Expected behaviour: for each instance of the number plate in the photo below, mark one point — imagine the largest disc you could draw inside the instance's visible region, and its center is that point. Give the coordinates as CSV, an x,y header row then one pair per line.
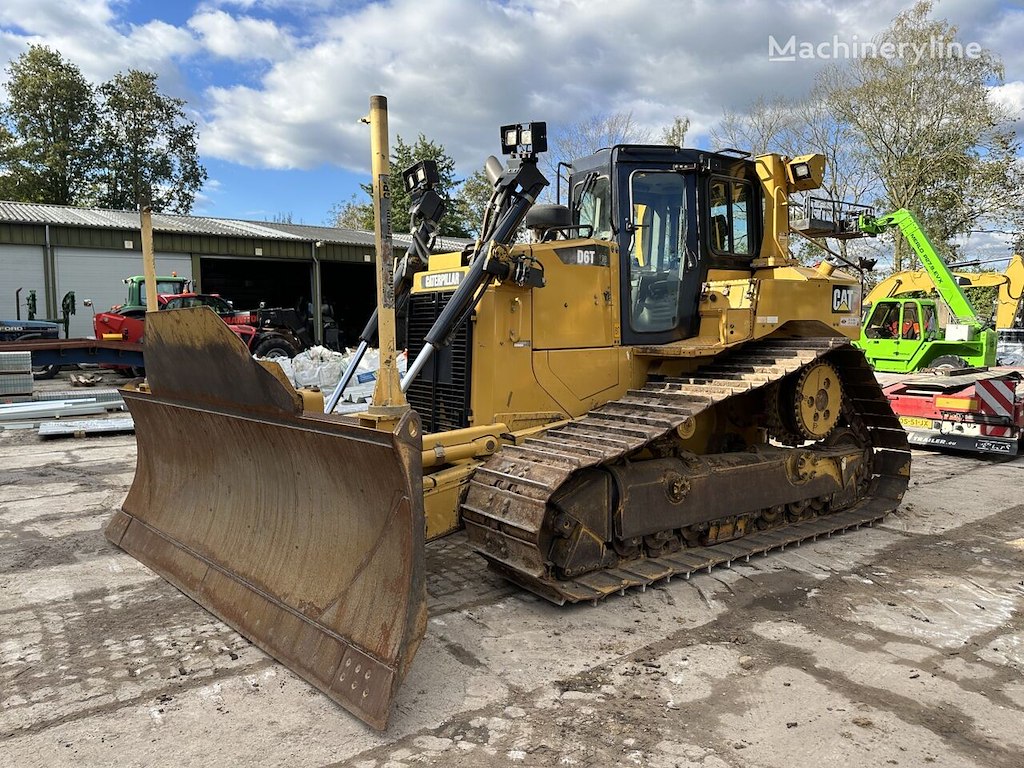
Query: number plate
x,y
916,422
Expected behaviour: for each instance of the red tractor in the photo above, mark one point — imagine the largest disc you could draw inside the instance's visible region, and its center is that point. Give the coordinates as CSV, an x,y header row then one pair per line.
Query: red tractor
x,y
267,332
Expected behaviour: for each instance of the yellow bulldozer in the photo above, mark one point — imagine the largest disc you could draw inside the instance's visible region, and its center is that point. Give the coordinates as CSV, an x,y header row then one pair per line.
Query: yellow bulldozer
x,y
649,387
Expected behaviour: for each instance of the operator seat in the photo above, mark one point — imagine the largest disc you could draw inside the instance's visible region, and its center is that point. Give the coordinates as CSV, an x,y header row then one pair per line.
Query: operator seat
x,y
655,304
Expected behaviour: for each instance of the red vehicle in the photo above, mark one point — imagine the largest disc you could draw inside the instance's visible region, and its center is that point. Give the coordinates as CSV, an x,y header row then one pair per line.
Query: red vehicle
x,y
973,410
267,332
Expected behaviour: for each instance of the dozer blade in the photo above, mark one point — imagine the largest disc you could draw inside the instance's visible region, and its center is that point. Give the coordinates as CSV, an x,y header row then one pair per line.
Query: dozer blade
x,y
303,532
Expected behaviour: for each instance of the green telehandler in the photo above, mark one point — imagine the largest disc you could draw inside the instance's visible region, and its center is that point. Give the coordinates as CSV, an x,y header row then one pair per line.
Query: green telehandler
x,y
903,335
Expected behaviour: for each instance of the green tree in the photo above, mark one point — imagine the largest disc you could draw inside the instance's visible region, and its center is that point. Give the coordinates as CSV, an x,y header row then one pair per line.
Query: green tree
x,y
675,134
354,213
48,151
474,194
8,181
455,221
926,126
357,213
148,145
767,125
795,127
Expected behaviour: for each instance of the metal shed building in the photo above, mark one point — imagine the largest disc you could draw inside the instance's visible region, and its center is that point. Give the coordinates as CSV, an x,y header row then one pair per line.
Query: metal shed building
x,y
54,249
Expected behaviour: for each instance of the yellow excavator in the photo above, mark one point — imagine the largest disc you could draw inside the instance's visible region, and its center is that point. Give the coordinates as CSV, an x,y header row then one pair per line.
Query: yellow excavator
x,y
650,387
1008,309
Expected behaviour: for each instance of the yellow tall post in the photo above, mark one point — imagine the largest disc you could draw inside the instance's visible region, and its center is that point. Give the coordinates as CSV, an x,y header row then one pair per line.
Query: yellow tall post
x,y
148,259
388,399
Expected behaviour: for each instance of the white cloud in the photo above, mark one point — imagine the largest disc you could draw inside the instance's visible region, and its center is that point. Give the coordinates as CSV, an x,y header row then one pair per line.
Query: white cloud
x,y
241,39
994,249
457,70
1011,97
294,6
205,203
1003,35
88,33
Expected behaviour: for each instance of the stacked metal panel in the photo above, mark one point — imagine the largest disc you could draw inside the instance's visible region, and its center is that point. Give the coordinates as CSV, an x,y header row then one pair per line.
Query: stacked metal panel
x,y
15,373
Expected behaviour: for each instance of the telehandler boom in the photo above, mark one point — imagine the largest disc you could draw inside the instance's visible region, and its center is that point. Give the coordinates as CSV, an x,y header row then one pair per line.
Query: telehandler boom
x,y
650,387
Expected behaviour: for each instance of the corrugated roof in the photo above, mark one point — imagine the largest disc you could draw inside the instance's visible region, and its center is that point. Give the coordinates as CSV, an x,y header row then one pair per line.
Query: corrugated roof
x,y
64,215
327,234
362,237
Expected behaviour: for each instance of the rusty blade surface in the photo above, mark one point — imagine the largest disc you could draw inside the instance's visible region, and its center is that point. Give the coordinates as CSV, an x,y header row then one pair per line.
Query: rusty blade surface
x,y
303,532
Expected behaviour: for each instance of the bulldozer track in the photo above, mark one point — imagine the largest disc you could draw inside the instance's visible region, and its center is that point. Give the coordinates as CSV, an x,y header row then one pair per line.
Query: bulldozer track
x,y
506,506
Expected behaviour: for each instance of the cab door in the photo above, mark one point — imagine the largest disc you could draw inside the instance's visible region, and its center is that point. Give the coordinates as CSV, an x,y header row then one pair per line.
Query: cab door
x,y
661,276
911,338
880,336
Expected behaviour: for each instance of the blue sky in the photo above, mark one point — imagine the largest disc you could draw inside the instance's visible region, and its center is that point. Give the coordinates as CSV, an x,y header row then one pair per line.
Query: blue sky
x,y
278,86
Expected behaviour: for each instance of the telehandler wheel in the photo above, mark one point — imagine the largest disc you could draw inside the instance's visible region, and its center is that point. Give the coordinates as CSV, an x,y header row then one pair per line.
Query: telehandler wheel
x,y
274,346
948,363
40,372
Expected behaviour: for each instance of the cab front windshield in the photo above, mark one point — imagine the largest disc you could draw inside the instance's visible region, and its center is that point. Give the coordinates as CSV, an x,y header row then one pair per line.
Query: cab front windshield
x,y
657,249
898,320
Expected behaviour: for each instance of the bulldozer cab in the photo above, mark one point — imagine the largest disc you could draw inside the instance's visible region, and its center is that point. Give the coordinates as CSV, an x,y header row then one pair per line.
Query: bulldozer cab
x,y
674,214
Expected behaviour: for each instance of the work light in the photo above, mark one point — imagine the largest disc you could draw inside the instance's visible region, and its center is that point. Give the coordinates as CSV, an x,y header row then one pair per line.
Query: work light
x,y
423,173
801,171
524,139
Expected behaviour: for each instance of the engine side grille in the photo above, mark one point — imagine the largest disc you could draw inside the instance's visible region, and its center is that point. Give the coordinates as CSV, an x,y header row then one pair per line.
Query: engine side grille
x,y
441,392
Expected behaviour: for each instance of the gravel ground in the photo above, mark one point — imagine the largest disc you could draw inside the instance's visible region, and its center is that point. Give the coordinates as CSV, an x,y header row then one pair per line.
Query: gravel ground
x,y
896,645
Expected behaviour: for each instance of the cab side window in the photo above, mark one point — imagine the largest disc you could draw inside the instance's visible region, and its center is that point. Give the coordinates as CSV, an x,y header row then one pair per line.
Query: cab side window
x,y
931,322
911,325
595,208
730,201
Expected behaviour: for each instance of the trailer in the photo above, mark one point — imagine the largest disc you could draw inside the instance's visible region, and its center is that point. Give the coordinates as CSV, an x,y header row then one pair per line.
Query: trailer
x,y
970,409
59,352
